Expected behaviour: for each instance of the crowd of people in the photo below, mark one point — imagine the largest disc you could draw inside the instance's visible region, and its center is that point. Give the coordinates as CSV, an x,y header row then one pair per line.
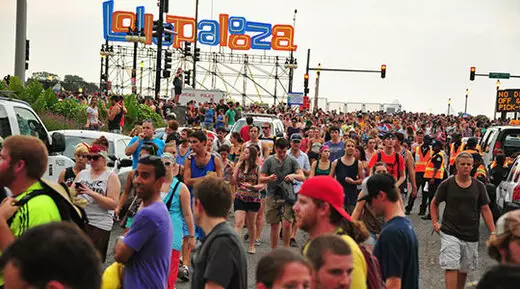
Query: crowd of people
x,y
347,179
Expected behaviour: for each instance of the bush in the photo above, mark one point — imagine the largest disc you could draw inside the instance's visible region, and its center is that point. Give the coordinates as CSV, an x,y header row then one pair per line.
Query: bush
x,y
54,121
70,108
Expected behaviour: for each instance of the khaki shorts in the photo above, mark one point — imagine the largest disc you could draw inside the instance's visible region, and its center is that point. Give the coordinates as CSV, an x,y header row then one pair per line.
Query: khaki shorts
x,y
273,211
457,254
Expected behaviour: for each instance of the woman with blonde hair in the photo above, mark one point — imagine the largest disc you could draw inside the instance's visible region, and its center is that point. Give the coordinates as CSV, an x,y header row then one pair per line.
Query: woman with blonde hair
x,y
68,175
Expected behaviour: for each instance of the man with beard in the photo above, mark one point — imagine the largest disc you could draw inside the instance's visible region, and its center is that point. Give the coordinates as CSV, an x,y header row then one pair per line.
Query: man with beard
x,y
319,211
146,248
184,149
397,248
23,161
332,260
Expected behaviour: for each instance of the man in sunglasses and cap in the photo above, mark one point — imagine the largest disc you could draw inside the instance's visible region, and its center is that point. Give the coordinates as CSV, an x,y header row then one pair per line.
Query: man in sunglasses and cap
x,y
397,248
134,147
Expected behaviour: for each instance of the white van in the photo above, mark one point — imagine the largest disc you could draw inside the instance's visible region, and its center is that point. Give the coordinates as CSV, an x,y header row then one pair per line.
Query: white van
x,y
18,118
505,138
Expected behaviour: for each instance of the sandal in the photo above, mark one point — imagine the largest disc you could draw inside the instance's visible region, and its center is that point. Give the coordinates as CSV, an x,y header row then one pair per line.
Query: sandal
x,y
251,251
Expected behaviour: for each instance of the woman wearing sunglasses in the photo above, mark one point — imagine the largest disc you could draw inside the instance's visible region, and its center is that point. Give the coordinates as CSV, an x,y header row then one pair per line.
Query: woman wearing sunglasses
x,y
100,188
176,196
68,175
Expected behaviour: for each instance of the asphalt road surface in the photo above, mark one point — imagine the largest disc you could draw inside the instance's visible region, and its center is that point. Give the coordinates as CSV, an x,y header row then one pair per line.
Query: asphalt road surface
x,y
431,275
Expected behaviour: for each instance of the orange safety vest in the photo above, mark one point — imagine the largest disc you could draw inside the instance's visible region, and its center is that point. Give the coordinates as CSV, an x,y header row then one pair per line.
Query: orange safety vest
x,y
428,173
454,154
481,171
420,160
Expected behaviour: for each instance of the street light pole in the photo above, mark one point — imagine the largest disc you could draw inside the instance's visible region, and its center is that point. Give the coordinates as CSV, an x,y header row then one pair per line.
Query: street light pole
x,y
449,104
291,58
134,63
159,50
141,80
495,111
21,36
466,103
195,31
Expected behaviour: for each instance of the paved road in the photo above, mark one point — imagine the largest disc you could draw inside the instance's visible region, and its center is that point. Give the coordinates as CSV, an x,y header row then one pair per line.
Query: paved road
x,y
431,276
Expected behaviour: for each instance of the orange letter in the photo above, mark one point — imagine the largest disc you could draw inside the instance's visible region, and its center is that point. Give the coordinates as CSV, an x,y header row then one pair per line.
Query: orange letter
x,y
235,38
117,21
283,38
224,22
148,27
179,24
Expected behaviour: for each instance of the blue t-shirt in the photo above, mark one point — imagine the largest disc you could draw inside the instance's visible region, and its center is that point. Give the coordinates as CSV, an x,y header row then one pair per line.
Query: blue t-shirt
x,y
398,252
337,150
135,156
210,114
151,237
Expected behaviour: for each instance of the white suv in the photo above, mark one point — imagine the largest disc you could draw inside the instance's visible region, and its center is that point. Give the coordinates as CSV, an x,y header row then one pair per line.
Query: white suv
x,y
508,192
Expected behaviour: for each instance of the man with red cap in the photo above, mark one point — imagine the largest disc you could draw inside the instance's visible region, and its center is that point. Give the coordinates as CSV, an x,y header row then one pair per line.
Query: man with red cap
x,y
319,211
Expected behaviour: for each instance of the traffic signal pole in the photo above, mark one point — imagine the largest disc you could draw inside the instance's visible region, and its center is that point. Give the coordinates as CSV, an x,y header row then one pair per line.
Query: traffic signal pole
x,y
21,36
195,31
159,50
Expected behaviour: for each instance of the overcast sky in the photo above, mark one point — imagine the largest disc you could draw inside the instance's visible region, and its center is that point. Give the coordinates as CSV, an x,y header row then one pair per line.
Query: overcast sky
x,y
428,46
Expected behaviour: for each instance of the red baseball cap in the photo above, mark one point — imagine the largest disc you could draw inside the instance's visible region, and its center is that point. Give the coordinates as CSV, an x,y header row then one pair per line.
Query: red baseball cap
x,y
326,189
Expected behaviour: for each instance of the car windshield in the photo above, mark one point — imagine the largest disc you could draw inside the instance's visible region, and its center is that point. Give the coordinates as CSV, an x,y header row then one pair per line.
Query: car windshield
x,y
73,141
512,143
242,122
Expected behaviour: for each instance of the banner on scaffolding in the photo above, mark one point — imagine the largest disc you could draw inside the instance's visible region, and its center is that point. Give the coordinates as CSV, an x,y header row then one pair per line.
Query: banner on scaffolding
x,y
235,32
200,95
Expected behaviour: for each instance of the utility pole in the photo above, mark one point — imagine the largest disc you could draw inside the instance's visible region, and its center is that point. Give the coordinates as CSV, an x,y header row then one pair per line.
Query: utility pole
x,y
449,104
21,36
195,31
466,102
292,61
135,32
317,88
141,80
495,111
159,49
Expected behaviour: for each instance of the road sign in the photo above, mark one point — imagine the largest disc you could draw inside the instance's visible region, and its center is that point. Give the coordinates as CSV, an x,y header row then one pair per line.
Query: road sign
x,y
295,98
508,100
499,75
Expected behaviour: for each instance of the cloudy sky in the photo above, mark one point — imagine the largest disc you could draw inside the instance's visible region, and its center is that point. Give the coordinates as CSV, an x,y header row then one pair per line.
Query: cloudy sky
x,y
427,45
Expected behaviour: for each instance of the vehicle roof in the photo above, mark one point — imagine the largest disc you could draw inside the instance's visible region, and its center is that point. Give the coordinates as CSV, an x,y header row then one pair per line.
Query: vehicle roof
x,y
260,115
502,127
3,98
265,117
92,134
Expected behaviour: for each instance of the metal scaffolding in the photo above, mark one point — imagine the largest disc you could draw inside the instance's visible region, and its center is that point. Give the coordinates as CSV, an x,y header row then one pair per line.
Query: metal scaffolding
x,y
252,77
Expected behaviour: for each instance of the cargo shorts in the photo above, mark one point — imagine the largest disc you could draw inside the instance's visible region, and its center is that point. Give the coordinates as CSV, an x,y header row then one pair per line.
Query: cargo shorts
x,y
457,254
276,210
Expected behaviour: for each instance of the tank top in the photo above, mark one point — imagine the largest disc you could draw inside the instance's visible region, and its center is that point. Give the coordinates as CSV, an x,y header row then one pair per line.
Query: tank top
x,y
97,216
180,159
350,190
320,172
116,122
69,177
270,143
176,214
197,172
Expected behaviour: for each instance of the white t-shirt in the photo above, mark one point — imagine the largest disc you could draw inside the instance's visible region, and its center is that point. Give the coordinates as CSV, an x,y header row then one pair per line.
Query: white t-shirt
x,y
93,119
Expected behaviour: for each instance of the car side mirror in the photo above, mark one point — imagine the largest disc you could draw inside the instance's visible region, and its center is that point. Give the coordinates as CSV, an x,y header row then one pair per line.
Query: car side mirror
x,y
124,163
58,143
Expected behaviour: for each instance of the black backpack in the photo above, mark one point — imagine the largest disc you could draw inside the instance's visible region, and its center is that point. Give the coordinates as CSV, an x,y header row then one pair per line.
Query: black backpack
x,y
60,194
379,157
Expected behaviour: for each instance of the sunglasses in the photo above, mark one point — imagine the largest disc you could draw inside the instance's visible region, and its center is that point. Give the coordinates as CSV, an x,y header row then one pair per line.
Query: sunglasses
x,y
82,156
93,158
266,127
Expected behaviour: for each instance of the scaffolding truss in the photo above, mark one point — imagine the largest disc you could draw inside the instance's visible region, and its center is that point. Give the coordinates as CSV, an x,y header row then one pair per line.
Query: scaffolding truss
x,y
253,78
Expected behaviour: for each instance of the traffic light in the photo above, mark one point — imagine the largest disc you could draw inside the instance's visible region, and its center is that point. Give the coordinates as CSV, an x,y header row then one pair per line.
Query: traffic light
x,y
187,77
187,49
196,55
306,84
167,63
383,70
472,71
156,29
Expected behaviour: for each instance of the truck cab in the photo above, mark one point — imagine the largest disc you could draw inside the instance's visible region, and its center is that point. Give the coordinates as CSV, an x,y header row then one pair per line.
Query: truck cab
x,y
18,118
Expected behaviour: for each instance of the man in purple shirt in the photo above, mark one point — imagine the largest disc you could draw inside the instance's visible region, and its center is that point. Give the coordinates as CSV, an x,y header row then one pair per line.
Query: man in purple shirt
x,y
146,248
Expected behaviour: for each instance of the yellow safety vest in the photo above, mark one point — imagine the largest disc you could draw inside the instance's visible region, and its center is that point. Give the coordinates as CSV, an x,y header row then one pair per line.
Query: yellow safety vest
x,y
454,154
420,160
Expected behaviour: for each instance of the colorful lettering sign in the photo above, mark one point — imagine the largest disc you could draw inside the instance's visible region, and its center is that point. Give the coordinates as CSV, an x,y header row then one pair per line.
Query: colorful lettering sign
x,y
234,32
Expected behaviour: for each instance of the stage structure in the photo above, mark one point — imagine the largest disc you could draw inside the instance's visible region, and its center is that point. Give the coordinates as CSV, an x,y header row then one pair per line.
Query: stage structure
x,y
244,77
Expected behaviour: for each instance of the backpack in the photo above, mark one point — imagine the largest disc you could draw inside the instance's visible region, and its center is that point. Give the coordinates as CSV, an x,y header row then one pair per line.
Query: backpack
x,y
379,157
374,275
174,187
60,194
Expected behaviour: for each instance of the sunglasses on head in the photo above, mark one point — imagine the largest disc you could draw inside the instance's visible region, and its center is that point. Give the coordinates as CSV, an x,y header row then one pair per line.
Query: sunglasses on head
x,y
93,158
167,164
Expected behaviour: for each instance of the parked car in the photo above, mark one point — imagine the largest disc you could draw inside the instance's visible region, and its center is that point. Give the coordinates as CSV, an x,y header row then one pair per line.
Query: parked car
x,y
161,132
504,138
18,118
119,162
508,192
277,127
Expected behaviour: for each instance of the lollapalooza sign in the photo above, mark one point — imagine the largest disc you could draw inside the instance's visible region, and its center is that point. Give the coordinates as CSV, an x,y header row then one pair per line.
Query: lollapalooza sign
x,y
229,31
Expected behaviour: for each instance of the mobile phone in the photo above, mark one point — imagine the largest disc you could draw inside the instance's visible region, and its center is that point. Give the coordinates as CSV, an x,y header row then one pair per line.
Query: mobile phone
x,y
79,186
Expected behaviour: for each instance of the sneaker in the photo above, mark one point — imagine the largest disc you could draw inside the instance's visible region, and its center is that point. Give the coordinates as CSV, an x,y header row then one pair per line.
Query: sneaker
x,y
427,217
407,212
184,273
246,236
421,213
258,242
293,243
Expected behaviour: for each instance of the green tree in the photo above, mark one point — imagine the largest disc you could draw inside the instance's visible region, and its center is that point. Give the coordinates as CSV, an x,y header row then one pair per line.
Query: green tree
x,y
73,82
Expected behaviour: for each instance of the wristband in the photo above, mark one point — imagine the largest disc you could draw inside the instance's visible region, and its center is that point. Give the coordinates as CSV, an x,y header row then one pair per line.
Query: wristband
x,y
189,236
492,233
